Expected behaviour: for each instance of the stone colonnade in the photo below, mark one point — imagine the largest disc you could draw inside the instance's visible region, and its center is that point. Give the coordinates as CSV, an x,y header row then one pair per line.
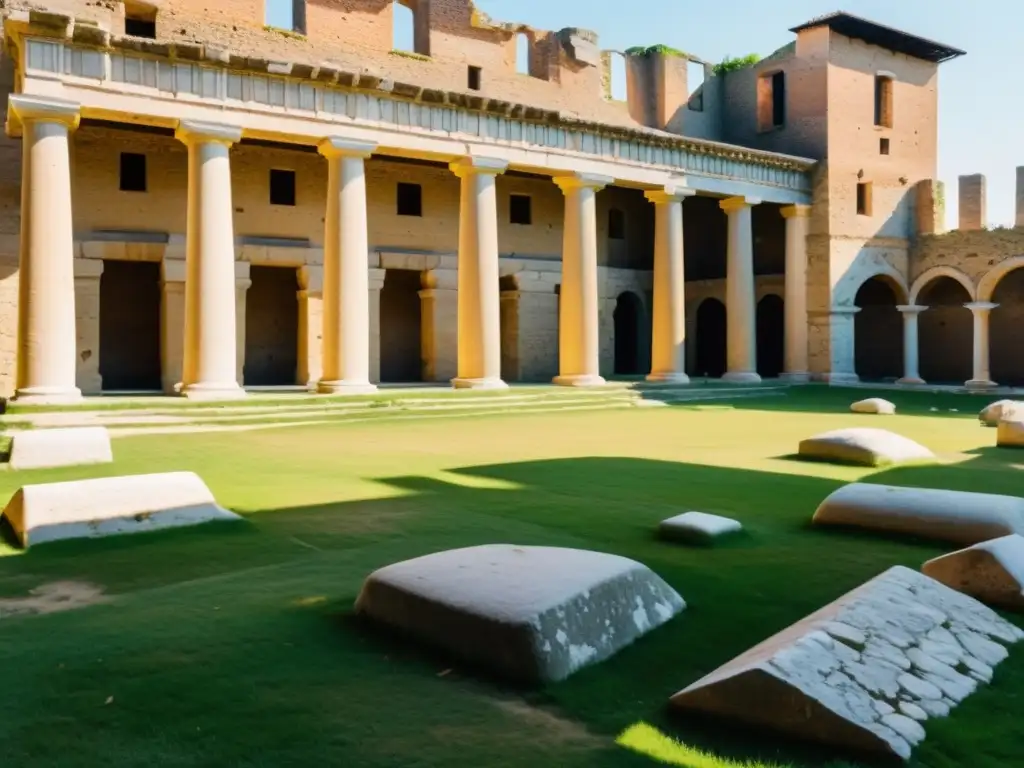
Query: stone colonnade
x,y
212,326
980,377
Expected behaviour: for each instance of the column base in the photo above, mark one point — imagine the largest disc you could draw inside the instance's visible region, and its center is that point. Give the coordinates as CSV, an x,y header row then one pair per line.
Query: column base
x,y
490,383
838,379
579,380
796,377
668,378
741,377
910,380
48,396
344,388
981,384
210,391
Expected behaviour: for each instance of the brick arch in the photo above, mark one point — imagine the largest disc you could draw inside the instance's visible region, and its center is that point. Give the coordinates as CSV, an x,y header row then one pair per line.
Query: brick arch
x,y
844,293
987,284
934,274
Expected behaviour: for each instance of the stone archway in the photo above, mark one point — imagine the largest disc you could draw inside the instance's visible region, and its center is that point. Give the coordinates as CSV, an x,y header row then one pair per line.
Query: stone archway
x,y
771,336
945,332
711,339
878,331
628,318
1006,362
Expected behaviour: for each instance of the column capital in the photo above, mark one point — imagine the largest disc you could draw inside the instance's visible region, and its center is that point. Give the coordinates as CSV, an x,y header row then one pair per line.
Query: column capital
x,y
336,146
981,306
796,212
669,194
196,132
22,108
582,181
911,309
733,204
844,310
471,164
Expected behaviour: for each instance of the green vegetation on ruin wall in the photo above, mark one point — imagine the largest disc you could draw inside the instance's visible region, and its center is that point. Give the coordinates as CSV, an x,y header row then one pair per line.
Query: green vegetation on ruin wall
x,y
729,64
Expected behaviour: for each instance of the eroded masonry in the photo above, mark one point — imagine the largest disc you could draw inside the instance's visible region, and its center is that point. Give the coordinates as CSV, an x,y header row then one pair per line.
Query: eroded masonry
x,y
198,199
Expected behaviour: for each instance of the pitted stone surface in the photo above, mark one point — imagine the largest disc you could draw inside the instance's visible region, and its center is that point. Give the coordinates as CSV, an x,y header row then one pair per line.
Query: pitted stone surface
x,y
962,518
698,527
992,571
865,446
873,695
46,448
874,405
533,614
991,414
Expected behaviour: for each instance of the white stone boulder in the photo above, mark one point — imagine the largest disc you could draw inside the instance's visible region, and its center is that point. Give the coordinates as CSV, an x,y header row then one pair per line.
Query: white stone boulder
x,y
531,614
955,516
865,672
109,506
1010,433
991,414
865,446
874,405
992,571
46,448
698,527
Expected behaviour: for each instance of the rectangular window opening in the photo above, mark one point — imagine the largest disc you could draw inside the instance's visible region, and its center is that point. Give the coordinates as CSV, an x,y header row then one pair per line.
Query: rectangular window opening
x,y
133,172
771,101
883,146
520,210
475,76
778,99
616,224
864,198
410,199
135,26
282,187
883,101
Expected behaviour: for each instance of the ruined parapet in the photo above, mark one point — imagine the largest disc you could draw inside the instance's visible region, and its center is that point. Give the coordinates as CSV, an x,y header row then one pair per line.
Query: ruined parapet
x,y
931,207
658,85
973,204
581,45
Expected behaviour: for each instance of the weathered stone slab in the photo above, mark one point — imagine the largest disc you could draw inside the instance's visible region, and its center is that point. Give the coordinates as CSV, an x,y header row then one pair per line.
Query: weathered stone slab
x,y
864,672
991,414
992,571
533,614
44,448
109,506
956,516
866,446
874,405
698,527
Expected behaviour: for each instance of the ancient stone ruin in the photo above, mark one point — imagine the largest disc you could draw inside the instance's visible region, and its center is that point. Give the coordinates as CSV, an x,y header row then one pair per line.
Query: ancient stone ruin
x,y
46,448
992,571
864,446
698,528
875,405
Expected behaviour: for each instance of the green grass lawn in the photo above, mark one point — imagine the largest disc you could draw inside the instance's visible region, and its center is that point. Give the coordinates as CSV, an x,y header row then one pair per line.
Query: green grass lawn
x,y
236,645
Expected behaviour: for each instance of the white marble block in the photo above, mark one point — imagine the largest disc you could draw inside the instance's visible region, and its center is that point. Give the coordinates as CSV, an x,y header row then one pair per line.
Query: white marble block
x,y
874,405
46,448
698,527
865,446
992,571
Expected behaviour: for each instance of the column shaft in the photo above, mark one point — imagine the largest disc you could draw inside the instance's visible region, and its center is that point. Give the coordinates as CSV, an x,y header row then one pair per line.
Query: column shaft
x,y
209,370
578,322
47,336
668,332
981,379
740,298
346,295
479,335
795,365
911,358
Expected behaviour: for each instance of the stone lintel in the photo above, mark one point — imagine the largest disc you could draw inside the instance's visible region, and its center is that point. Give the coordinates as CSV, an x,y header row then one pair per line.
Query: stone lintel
x,y
336,146
194,131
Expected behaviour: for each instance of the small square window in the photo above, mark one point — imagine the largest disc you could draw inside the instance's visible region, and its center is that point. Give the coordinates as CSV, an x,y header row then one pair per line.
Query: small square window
x,y
133,172
883,146
475,76
616,224
864,199
136,27
282,187
520,209
410,199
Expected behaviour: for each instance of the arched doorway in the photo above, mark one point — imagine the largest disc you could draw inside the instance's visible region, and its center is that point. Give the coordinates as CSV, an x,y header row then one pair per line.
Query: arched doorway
x,y
401,359
1006,362
945,333
878,332
771,336
711,320
628,316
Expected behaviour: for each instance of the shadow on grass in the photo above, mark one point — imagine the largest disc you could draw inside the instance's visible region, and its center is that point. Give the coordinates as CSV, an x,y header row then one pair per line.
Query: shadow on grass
x,y
236,645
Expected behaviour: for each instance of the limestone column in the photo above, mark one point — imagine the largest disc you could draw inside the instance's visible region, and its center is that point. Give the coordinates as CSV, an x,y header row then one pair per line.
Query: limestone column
x,y
795,368
740,297
209,369
439,324
981,379
311,324
578,322
346,307
376,284
88,273
479,335
47,336
172,322
668,330
911,373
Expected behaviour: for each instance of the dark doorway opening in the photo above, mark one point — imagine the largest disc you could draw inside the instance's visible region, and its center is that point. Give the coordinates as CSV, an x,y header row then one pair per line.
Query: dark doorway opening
x,y
130,326
272,327
1006,363
878,332
401,323
710,332
771,336
945,333
628,317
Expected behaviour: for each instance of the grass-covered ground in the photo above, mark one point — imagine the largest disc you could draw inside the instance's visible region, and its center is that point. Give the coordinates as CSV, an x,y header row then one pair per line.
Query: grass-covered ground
x,y
236,645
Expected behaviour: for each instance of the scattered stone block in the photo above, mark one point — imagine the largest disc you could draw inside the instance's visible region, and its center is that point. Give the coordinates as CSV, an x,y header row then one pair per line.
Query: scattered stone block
x,y
47,448
109,506
955,516
698,527
865,446
1011,426
991,414
992,571
531,614
837,676
874,405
